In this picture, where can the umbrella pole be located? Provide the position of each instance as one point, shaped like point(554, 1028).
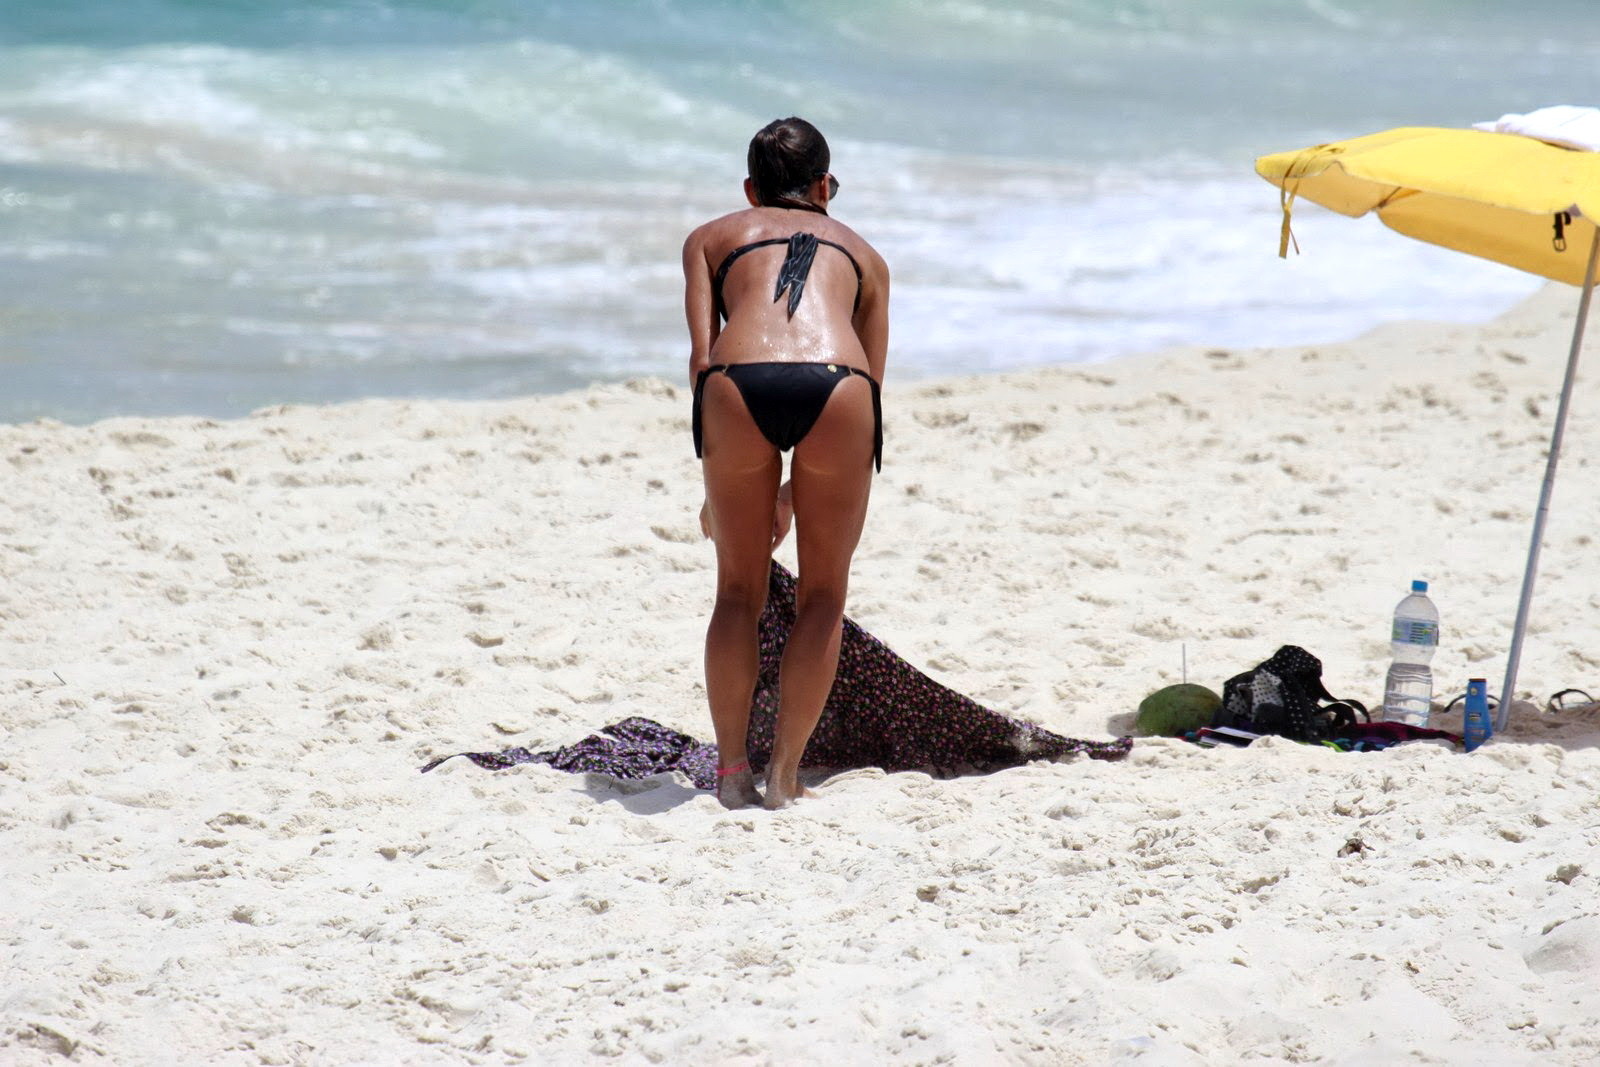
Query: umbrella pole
point(1508, 691)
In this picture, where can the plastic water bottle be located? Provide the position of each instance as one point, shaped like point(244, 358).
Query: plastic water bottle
point(1476, 727)
point(1408, 691)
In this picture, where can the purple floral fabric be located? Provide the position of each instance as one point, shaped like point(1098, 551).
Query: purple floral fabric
point(633, 748)
point(882, 712)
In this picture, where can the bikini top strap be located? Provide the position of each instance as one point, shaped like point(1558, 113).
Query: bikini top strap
point(722, 271)
point(824, 241)
point(728, 261)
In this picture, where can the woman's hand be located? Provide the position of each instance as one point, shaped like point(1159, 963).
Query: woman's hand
point(783, 516)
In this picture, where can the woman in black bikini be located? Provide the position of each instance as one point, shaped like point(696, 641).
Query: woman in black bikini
point(797, 364)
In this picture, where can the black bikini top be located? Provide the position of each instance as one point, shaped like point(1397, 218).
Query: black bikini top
point(792, 274)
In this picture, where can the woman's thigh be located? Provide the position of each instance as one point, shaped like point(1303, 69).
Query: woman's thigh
point(832, 476)
point(741, 469)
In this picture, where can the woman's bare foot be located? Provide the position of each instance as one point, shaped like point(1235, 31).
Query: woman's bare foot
point(738, 789)
point(783, 787)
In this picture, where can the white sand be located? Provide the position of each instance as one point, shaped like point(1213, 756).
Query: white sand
point(225, 648)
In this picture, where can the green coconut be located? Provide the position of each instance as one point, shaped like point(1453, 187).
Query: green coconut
point(1176, 710)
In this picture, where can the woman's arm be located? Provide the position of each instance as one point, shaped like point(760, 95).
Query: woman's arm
point(698, 308)
point(872, 317)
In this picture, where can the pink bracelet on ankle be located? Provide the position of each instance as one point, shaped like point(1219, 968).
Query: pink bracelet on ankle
point(735, 769)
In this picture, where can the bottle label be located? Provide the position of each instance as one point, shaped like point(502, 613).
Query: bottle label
point(1416, 632)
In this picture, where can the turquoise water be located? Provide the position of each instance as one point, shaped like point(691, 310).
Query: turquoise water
point(206, 207)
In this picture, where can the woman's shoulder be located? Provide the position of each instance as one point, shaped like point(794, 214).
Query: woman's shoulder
point(733, 224)
point(722, 233)
point(859, 246)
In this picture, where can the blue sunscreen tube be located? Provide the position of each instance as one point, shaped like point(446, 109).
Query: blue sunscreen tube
point(1477, 727)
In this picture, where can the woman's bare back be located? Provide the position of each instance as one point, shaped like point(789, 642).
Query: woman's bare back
point(835, 302)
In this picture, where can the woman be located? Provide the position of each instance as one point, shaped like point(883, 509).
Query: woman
point(788, 316)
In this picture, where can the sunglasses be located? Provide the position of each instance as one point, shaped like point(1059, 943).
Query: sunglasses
point(833, 185)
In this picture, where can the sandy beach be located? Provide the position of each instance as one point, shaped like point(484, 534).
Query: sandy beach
point(227, 646)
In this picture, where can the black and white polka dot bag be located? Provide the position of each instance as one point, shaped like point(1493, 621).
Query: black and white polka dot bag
point(1284, 695)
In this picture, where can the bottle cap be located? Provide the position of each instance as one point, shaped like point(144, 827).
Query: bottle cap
point(1419, 586)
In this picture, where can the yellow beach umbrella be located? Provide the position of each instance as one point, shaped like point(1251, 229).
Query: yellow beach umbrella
point(1507, 197)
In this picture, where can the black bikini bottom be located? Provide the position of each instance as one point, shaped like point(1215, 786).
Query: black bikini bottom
point(785, 399)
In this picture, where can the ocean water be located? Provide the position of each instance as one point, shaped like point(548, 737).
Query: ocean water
point(207, 206)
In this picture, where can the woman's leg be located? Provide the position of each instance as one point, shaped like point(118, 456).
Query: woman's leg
point(832, 475)
point(741, 469)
